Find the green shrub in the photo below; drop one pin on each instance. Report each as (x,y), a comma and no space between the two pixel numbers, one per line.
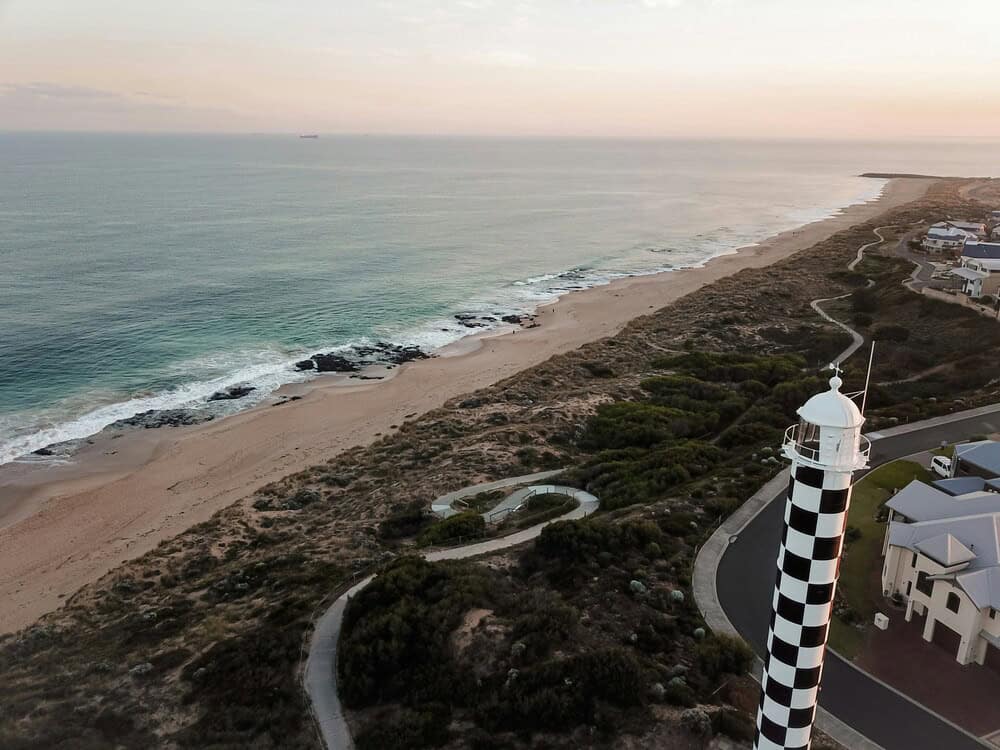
(408,729)
(627,424)
(409,521)
(544,622)
(864,300)
(582,540)
(467,525)
(733,724)
(891,333)
(723,654)
(598,369)
(394,641)
(680,694)
(562,693)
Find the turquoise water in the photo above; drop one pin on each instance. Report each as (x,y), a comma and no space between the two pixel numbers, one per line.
(147,272)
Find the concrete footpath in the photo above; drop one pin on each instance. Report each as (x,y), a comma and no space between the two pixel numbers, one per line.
(320,678)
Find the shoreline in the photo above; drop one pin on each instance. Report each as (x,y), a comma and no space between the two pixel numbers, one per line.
(64,526)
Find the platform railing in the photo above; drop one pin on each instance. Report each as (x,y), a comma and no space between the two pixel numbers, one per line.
(810,450)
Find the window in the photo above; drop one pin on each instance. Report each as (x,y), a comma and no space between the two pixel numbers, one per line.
(954,602)
(993,614)
(913,560)
(924,586)
(909,587)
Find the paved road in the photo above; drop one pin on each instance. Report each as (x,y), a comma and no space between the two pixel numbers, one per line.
(745,583)
(321,664)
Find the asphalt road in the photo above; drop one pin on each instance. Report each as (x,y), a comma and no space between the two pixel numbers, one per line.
(745,583)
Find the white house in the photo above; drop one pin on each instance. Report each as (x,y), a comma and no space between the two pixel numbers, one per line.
(979,268)
(942,556)
(945,238)
(974,228)
(972,280)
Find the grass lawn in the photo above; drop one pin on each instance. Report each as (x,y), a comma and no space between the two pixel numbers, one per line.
(860,573)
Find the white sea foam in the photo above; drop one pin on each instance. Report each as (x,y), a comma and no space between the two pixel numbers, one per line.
(53,428)
(269,369)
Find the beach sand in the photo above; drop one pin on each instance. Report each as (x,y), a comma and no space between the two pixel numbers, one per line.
(64,526)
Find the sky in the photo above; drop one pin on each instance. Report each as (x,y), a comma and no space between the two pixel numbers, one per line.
(619,68)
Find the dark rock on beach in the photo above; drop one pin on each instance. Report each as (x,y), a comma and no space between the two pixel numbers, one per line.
(379,353)
(232,392)
(155,418)
(334,363)
(43,452)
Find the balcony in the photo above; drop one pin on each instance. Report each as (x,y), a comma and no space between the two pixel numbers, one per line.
(809,451)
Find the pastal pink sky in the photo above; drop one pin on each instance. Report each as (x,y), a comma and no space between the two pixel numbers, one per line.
(849,68)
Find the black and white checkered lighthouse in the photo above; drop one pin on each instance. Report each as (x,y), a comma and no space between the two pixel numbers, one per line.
(826,448)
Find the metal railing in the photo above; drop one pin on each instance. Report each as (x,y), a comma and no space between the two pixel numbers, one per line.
(811,451)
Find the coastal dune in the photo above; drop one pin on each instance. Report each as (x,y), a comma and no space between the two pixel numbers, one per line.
(64,526)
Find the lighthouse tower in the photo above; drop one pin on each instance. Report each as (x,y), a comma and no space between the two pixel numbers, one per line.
(826,448)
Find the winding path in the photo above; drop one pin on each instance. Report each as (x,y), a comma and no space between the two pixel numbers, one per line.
(320,678)
(858,339)
(733,582)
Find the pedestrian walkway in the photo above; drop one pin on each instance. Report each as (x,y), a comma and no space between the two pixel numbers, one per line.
(320,678)
(443,506)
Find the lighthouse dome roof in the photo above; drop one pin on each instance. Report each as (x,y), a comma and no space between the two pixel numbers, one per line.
(832,408)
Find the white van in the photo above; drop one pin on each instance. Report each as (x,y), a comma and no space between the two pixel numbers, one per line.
(941,465)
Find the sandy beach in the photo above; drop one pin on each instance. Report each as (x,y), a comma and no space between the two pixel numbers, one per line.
(64,526)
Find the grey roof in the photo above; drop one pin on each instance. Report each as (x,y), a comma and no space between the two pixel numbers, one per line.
(968,273)
(993,484)
(960,485)
(971,226)
(989,250)
(984,454)
(982,586)
(922,502)
(976,534)
(945,549)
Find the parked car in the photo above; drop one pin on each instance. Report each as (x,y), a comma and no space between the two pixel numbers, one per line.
(941,465)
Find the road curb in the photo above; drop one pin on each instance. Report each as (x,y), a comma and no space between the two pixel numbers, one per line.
(706,568)
(925,424)
(706,597)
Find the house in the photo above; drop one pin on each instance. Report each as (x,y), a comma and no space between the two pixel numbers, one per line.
(980,459)
(972,281)
(943,238)
(974,228)
(942,556)
(979,269)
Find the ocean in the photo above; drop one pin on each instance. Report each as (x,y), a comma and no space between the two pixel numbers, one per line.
(149,271)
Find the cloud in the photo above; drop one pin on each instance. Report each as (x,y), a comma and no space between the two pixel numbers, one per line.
(42,90)
(42,105)
(507,59)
